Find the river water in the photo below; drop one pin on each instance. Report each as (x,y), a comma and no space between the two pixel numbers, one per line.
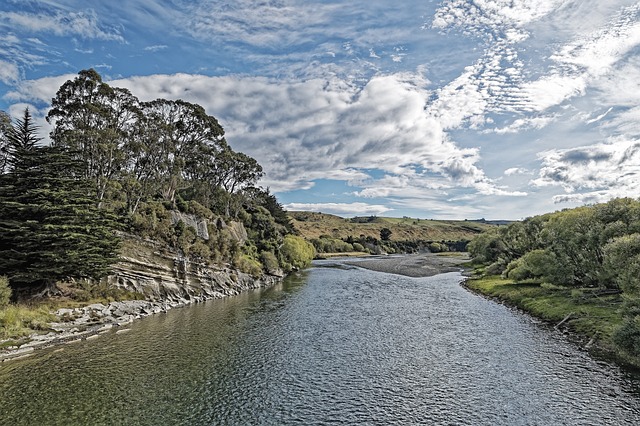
(333,345)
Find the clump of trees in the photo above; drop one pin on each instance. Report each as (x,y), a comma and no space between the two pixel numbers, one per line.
(116,163)
(596,246)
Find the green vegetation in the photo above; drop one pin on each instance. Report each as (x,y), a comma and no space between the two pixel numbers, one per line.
(117,170)
(376,235)
(590,314)
(584,260)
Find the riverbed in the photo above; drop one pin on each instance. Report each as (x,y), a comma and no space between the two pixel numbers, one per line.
(337,344)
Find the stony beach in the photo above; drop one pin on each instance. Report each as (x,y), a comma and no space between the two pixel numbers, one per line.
(414,265)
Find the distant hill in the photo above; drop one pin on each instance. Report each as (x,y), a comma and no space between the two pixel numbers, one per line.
(313,225)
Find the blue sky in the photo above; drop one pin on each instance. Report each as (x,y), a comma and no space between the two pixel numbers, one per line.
(447,109)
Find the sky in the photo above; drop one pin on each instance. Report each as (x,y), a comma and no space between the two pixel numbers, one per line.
(448,109)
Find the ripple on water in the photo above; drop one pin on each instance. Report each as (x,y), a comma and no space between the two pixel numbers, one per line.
(332,346)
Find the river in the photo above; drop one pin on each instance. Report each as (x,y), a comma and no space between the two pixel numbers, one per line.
(333,345)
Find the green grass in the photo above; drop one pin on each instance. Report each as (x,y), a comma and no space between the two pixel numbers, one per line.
(593,316)
(17,321)
(313,225)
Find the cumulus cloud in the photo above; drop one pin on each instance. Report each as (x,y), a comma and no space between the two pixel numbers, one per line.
(593,173)
(341,209)
(302,131)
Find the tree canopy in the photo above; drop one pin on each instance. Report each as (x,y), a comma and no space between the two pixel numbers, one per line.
(116,162)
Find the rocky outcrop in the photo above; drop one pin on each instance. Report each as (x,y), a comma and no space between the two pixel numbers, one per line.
(197,223)
(169,277)
(163,278)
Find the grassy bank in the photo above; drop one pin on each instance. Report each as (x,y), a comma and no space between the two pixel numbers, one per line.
(589,316)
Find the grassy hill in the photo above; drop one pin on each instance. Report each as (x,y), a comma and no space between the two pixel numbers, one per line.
(313,225)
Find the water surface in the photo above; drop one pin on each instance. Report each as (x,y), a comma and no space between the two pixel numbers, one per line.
(334,345)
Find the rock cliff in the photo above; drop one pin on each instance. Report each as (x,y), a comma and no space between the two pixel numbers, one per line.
(166,276)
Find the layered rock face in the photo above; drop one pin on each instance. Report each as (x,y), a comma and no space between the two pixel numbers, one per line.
(168,277)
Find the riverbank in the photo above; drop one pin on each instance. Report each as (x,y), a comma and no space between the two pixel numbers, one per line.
(588,316)
(88,322)
(414,265)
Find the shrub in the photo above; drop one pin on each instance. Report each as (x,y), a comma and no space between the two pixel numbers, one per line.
(297,253)
(627,336)
(5,292)
(249,266)
(270,261)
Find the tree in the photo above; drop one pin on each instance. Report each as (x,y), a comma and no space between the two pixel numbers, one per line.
(188,139)
(50,227)
(95,122)
(24,135)
(297,253)
(5,127)
(385,234)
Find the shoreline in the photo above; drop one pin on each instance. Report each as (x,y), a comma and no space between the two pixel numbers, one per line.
(91,321)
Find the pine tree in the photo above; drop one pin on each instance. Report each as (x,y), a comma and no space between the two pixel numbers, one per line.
(50,227)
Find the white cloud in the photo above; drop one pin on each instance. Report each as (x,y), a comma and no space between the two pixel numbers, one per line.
(156,48)
(84,24)
(593,173)
(341,209)
(9,72)
(516,171)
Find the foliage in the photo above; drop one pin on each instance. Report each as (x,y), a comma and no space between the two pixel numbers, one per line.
(50,228)
(590,247)
(269,261)
(248,265)
(5,292)
(296,252)
(385,234)
(19,321)
(535,264)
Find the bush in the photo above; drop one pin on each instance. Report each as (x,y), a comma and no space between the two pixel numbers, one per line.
(627,336)
(269,261)
(249,266)
(5,292)
(297,253)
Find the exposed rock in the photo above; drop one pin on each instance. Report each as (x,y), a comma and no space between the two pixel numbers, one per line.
(197,223)
(165,280)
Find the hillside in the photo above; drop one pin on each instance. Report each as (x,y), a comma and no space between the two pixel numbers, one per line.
(313,225)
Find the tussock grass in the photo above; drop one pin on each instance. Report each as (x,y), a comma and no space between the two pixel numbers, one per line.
(18,321)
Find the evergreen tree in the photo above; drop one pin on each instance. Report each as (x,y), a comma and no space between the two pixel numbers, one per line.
(24,135)
(50,227)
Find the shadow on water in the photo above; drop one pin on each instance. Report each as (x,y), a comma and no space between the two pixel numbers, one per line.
(334,344)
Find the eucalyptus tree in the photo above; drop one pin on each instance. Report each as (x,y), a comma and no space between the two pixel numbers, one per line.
(187,140)
(95,121)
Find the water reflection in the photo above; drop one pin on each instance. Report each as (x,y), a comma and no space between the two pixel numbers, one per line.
(331,345)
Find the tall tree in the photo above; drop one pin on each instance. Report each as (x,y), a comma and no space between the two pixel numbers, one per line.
(95,121)
(188,138)
(24,134)
(5,127)
(50,227)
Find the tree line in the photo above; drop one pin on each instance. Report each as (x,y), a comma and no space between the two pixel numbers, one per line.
(116,163)
(595,246)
